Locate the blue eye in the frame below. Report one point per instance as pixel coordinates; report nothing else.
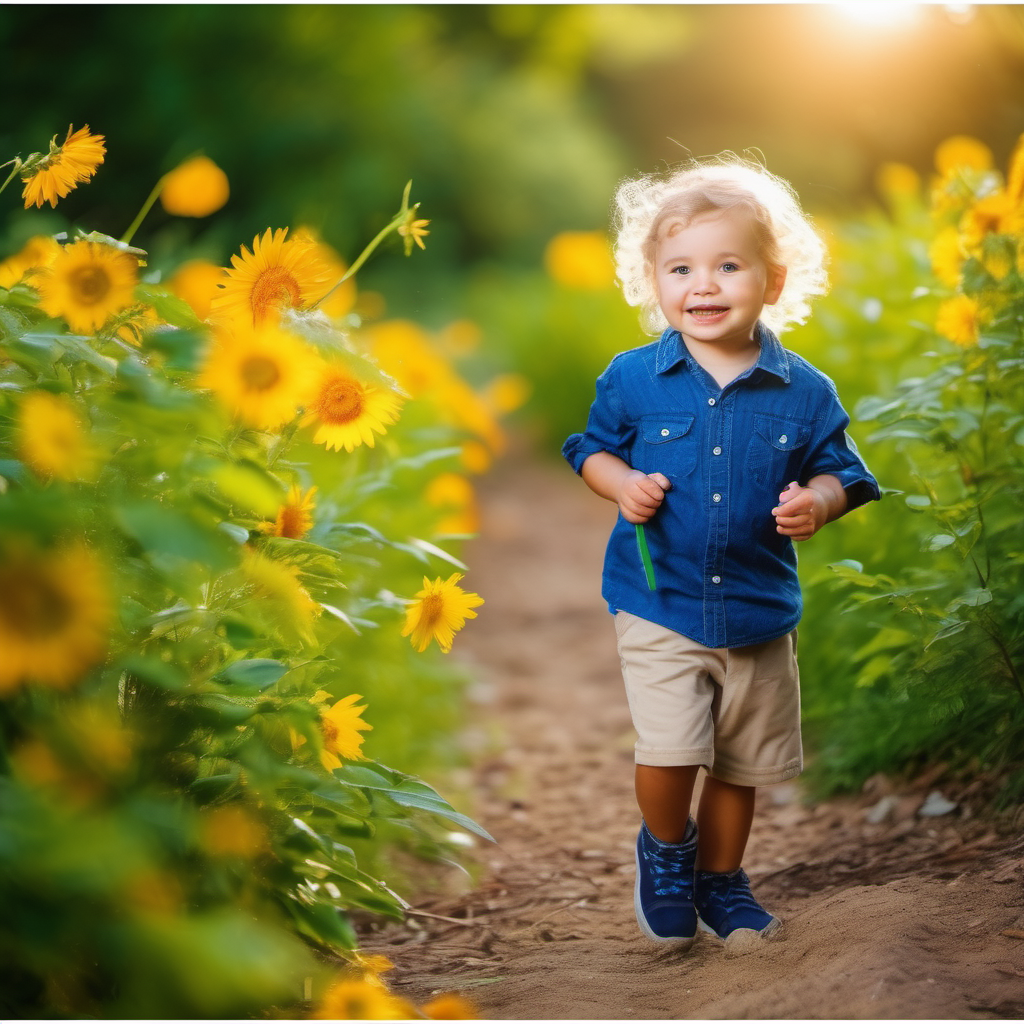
(729, 267)
(680, 270)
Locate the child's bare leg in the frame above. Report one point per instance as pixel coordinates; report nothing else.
(664, 793)
(724, 817)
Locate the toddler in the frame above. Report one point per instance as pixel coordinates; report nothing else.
(721, 448)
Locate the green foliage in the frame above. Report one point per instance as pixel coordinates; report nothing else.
(923, 659)
(188, 820)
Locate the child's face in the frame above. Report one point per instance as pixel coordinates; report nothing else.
(712, 281)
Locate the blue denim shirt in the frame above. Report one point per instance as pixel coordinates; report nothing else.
(725, 577)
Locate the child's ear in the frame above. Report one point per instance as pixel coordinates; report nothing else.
(776, 282)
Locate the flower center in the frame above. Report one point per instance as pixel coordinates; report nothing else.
(330, 731)
(260, 373)
(273, 288)
(89, 284)
(290, 522)
(32, 606)
(432, 610)
(341, 400)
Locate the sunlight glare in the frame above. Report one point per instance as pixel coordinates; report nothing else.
(880, 13)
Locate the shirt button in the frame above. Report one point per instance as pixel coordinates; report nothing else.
(783, 439)
(665, 431)
(716, 497)
(716, 450)
(711, 401)
(716, 579)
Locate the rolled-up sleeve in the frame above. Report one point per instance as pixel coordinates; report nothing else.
(606, 429)
(835, 452)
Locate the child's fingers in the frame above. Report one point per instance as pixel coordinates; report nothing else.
(661, 480)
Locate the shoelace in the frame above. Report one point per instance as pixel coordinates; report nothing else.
(732, 892)
(669, 880)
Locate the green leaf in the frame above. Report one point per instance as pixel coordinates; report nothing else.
(256, 672)
(182, 349)
(224, 708)
(156, 672)
(168, 531)
(918, 502)
(324, 924)
(169, 308)
(408, 792)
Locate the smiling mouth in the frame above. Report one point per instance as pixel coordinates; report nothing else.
(707, 311)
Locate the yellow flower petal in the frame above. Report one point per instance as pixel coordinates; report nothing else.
(278, 273)
(87, 283)
(262, 375)
(55, 614)
(439, 612)
(347, 412)
(63, 168)
(580, 260)
(196, 188)
(962, 151)
(52, 437)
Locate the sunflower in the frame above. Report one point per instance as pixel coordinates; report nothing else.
(231, 830)
(453, 495)
(196, 188)
(262, 375)
(413, 230)
(86, 283)
(581, 260)
(403, 350)
(55, 614)
(439, 612)
(897, 180)
(348, 411)
(959, 320)
(449, 1006)
(37, 253)
(341, 724)
(279, 583)
(962, 151)
(1015, 173)
(277, 273)
(52, 439)
(947, 256)
(197, 283)
(362, 1000)
(994, 214)
(133, 324)
(294, 518)
(51, 177)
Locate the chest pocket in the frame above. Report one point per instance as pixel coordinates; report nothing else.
(776, 451)
(667, 445)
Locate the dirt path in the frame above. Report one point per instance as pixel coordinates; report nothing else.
(911, 917)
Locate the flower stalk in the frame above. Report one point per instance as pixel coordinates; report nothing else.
(146, 207)
(403, 222)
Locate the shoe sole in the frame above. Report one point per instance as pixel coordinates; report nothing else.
(739, 940)
(682, 942)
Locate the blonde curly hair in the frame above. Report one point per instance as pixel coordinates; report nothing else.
(646, 206)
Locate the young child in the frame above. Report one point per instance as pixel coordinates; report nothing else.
(720, 448)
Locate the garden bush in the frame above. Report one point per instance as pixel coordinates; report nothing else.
(225, 498)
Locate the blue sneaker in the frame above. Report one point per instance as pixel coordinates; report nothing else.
(727, 908)
(663, 895)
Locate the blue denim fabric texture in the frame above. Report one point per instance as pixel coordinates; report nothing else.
(725, 577)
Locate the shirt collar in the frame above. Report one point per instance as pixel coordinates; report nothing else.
(672, 350)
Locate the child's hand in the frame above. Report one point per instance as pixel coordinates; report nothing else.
(641, 494)
(801, 512)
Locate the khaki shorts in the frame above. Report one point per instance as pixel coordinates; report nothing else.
(734, 710)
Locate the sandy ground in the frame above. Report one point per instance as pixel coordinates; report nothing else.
(888, 914)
